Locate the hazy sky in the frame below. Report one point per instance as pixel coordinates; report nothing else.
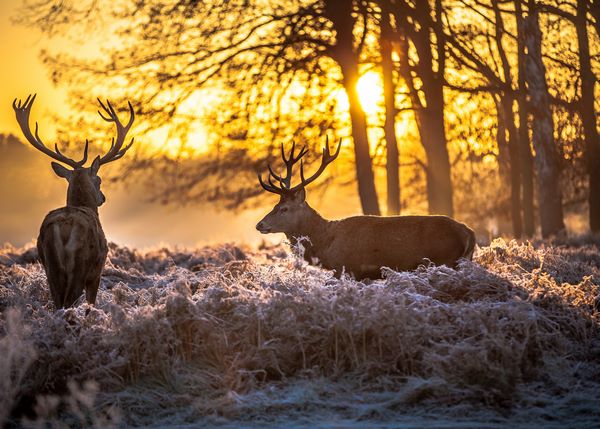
(29, 189)
(21, 71)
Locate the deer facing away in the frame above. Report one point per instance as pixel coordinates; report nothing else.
(71, 244)
(360, 245)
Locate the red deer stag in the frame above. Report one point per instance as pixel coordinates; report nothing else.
(71, 245)
(360, 245)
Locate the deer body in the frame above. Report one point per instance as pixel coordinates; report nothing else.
(71, 244)
(362, 245)
(72, 248)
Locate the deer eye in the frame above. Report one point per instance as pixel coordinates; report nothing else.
(283, 209)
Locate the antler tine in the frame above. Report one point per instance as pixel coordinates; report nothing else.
(285, 183)
(289, 161)
(326, 159)
(301, 171)
(277, 177)
(22, 112)
(17, 104)
(286, 160)
(269, 187)
(83, 160)
(116, 150)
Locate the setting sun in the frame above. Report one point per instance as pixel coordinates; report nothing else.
(370, 92)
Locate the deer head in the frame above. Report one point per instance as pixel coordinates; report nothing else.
(291, 210)
(84, 182)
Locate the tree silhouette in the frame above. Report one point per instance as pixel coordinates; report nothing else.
(493, 65)
(546, 159)
(254, 74)
(386, 40)
(420, 31)
(254, 51)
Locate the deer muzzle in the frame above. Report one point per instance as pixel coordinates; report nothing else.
(263, 228)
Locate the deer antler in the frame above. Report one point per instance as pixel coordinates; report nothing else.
(22, 112)
(116, 150)
(285, 183)
(326, 159)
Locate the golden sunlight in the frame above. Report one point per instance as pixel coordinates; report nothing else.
(187, 137)
(370, 92)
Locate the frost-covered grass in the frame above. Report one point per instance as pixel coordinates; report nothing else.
(231, 337)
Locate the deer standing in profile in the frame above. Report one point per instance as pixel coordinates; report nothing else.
(71, 244)
(360, 245)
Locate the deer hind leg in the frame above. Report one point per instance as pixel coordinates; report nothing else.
(56, 283)
(51, 251)
(96, 264)
(73, 268)
(91, 288)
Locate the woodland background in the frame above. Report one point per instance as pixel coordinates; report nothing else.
(485, 110)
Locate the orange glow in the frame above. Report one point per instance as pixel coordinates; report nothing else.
(370, 92)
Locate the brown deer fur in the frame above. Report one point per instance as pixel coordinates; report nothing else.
(362, 245)
(71, 244)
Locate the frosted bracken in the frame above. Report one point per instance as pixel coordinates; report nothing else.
(229, 336)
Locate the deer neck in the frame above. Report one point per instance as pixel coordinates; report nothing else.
(313, 226)
(81, 194)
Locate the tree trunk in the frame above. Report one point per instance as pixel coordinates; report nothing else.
(430, 117)
(433, 137)
(515, 164)
(525, 155)
(510, 129)
(595, 11)
(588, 116)
(546, 159)
(503, 157)
(364, 164)
(526, 158)
(340, 13)
(505, 161)
(430, 123)
(389, 92)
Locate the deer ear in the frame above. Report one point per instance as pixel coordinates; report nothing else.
(95, 166)
(61, 171)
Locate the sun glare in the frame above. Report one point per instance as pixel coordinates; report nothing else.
(189, 114)
(370, 92)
